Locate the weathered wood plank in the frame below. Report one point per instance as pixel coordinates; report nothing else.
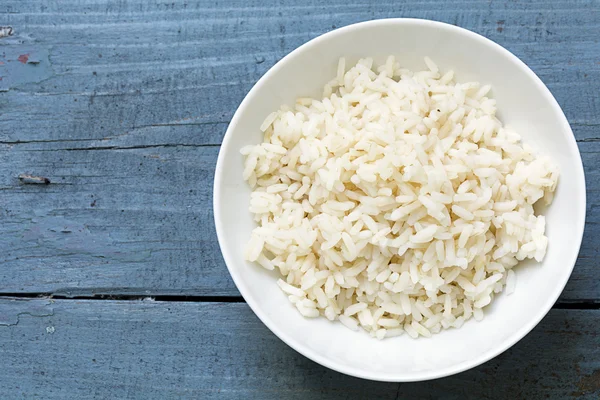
(156, 350)
(139, 221)
(117, 102)
(103, 63)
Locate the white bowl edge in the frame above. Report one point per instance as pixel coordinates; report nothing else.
(514, 337)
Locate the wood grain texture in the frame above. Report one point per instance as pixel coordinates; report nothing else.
(155, 350)
(122, 105)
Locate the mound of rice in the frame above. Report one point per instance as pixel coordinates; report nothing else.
(398, 202)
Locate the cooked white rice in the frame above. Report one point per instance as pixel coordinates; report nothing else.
(397, 203)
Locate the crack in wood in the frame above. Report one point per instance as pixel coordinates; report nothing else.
(31, 313)
(66, 294)
(588, 140)
(124, 297)
(137, 147)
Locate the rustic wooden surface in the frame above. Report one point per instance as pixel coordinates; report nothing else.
(160, 350)
(123, 104)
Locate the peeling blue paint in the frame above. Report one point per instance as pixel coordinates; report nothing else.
(23, 64)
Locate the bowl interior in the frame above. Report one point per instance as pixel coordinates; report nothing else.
(523, 102)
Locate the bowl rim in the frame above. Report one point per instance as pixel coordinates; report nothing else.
(397, 377)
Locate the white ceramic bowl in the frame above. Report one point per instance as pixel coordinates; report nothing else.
(523, 102)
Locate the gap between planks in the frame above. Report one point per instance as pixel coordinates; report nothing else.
(126, 297)
(586, 304)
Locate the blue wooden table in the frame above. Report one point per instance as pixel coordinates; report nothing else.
(112, 284)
